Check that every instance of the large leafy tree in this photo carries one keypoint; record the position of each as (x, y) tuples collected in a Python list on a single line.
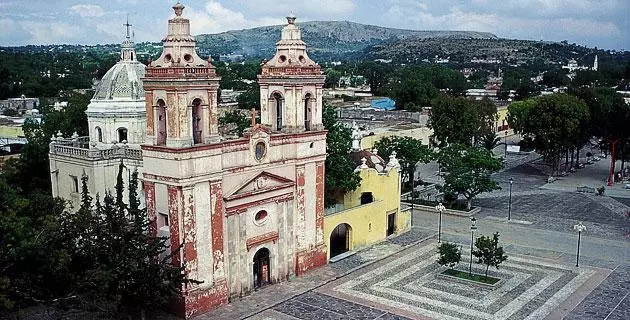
[(340, 176), (409, 152), (468, 171), (554, 122), (461, 120)]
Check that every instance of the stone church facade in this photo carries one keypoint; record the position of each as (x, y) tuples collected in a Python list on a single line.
[(248, 211)]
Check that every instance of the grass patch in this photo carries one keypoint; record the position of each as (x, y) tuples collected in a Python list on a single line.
[(474, 277)]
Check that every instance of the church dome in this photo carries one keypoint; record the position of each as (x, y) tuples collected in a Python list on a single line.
[(373, 161), (122, 81)]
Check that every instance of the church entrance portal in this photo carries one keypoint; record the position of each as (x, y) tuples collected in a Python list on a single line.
[(340, 240), (262, 269)]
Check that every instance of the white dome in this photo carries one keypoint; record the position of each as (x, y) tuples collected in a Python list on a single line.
[(122, 81)]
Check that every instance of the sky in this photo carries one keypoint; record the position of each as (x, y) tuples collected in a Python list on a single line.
[(594, 23)]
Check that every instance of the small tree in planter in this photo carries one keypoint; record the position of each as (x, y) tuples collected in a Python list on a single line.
[(488, 251), (450, 254)]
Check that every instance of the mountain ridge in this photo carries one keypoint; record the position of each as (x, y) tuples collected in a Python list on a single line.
[(330, 38)]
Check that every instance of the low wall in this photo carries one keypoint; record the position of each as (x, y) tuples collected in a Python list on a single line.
[(431, 210)]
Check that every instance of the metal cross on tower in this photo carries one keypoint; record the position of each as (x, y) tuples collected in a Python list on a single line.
[(127, 25)]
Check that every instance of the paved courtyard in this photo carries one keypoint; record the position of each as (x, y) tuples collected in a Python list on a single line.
[(397, 278)]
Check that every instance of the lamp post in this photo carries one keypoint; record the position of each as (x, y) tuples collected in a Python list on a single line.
[(440, 208), (505, 146), (579, 227), (510, 201), (473, 227)]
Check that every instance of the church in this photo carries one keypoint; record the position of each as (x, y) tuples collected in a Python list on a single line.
[(249, 211), (246, 211)]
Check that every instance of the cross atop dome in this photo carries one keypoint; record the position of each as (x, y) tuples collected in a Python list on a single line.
[(179, 9), (291, 18), (127, 25)]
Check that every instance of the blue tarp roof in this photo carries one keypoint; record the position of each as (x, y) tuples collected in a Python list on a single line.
[(383, 104)]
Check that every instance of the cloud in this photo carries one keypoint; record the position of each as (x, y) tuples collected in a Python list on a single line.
[(215, 18), (318, 8), (88, 10)]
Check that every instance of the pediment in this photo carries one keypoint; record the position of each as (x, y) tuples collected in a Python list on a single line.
[(260, 183)]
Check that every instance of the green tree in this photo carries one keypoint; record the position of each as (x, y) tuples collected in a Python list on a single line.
[(490, 140), (237, 119), (488, 252), (376, 74), (450, 254), (250, 98), (552, 122), (460, 120), (409, 152), (340, 176), (468, 171)]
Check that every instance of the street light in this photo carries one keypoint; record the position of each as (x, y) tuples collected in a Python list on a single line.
[(579, 227), (510, 202), (440, 208), (505, 146), (473, 227)]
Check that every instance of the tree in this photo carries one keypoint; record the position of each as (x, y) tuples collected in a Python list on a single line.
[(490, 140), (376, 74), (460, 120), (237, 119), (340, 175), (450, 254), (409, 152), (468, 171), (553, 123), (488, 252), (250, 98)]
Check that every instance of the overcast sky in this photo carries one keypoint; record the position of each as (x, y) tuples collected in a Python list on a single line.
[(601, 23)]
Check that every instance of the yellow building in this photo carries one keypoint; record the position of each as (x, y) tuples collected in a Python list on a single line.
[(11, 131), (501, 124), (421, 133), (369, 214)]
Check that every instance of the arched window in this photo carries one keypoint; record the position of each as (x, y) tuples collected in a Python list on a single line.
[(308, 111), (160, 118), (122, 134), (196, 121), (99, 134), (278, 100)]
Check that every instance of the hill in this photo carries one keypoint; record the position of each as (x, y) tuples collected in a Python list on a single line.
[(326, 39)]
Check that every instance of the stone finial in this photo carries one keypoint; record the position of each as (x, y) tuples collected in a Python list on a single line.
[(179, 9), (375, 151), (75, 136), (364, 163), (59, 134), (356, 137), (210, 59), (393, 162), (291, 18), (53, 138)]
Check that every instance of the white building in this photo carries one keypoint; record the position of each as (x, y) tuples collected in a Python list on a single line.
[(117, 125)]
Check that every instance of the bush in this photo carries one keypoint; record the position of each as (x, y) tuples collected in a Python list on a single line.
[(450, 254)]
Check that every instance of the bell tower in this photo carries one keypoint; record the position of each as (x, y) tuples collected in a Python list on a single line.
[(291, 86), (181, 91)]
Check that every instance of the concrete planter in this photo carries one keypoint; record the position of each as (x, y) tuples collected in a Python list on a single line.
[(440, 275)]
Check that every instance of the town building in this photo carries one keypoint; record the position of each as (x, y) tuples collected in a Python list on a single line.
[(372, 212)]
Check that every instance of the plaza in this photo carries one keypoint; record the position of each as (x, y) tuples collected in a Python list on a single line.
[(397, 279)]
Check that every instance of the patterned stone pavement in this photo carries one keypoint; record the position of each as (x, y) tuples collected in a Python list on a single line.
[(610, 300), (407, 285)]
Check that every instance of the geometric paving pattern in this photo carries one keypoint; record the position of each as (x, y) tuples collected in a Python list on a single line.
[(530, 289)]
